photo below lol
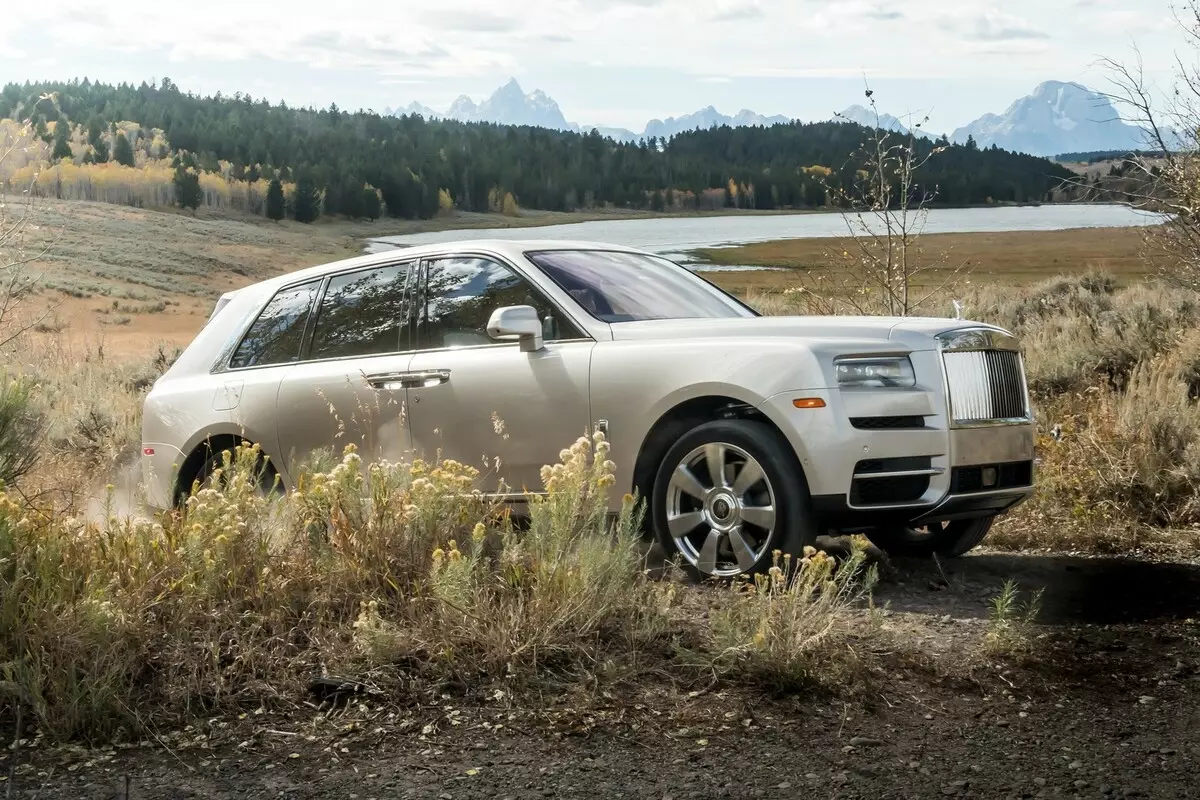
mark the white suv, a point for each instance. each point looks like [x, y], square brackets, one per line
[746, 433]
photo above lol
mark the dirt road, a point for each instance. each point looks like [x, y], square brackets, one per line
[1108, 706]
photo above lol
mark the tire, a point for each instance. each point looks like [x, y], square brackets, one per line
[705, 521]
[266, 478]
[946, 539]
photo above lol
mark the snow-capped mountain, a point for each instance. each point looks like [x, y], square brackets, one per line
[508, 105]
[1057, 118]
[707, 118]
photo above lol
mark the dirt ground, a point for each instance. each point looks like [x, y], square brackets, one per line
[1105, 706]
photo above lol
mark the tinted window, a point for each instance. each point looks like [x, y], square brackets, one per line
[277, 334]
[462, 293]
[362, 313]
[624, 287]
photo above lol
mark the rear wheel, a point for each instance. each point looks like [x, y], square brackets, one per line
[727, 494]
[214, 475]
[946, 539]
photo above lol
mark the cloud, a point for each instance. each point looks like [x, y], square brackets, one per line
[884, 14]
[993, 26]
[470, 20]
[735, 10]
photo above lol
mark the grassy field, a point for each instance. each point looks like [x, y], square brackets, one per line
[1018, 258]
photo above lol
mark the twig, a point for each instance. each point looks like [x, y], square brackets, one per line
[941, 571]
[16, 748]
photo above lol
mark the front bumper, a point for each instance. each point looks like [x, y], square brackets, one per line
[861, 478]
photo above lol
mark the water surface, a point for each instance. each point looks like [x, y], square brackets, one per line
[674, 237]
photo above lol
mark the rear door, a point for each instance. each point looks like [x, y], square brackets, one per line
[349, 387]
[487, 403]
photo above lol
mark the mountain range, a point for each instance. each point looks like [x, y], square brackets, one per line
[510, 105]
[1057, 117]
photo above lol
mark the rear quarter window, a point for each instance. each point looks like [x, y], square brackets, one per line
[278, 333]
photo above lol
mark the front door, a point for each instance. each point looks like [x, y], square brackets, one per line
[349, 387]
[487, 403]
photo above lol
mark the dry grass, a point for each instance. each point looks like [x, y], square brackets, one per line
[397, 574]
[1009, 259]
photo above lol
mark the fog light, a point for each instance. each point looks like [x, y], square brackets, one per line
[989, 477]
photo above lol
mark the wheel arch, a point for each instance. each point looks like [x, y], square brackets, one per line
[688, 414]
[200, 449]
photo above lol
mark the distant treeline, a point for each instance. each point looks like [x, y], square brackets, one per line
[362, 164]
[1093, 156]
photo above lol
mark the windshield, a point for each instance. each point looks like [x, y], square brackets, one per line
[627, 287]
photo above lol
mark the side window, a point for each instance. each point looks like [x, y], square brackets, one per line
[278, 333]
[363, 313]
[460, 295]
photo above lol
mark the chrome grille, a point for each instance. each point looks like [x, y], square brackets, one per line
[986, 385]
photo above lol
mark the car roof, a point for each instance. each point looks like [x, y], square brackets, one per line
[513, 249]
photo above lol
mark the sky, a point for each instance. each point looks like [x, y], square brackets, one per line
[606, 62]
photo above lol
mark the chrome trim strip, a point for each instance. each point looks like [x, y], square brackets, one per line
[906, 473]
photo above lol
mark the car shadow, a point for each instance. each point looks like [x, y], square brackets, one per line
[1080, 590]
[1074, 589]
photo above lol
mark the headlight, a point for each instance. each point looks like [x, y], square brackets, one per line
[887, 371]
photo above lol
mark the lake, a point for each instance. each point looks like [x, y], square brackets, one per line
[674, 237]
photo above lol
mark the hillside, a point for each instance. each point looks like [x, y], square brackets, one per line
[361, 164]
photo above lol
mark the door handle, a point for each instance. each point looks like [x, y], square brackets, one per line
[426, 378]
[408, 380]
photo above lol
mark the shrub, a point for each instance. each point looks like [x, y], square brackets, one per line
[22, 425]
[247, 595]
[793, 627]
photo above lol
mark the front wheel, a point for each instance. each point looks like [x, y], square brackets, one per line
[727, 495]
[946, 539]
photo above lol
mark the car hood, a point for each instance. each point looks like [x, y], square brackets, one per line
[915, 333]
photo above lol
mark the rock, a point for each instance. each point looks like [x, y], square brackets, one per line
[955, 788]
[1145, 699]
[784, 785]
[1040, 781]
[1075, 765]
[865, 741]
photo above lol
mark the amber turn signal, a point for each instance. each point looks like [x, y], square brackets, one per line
[808, 402]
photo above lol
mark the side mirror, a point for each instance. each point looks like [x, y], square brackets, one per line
[517, 323]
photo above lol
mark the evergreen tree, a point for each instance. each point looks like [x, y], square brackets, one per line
[188, 193]
[62, 142]
[123, 151]
[275, 205]
[371, 206]
[100, 152]
[95, 129]
[307, 201]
